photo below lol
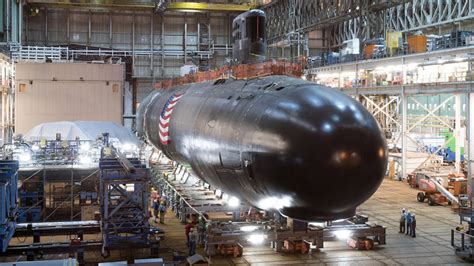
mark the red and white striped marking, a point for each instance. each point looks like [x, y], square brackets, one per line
[165, 117]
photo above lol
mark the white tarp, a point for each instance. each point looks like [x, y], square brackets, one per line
[85, 130]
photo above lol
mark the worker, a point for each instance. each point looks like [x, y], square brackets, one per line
[162, 211]
[156, 209]
[165, 199]
[413, 225]
[192, 242]
[402, 221]
[201, 227]
[187, 229]
[154, 195]
[408, 219]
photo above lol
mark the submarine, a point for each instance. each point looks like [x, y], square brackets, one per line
[277, 142]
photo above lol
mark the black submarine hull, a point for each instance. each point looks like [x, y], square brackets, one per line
[277, 142]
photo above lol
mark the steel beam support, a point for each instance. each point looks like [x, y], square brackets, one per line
[45, 26]
[133, 44]
[421, 14]
[68, 27]
[111, 33]
[457, 132]
[185, 41]
[4, 115]
[152, 43]
[162, 45]
[89, 28]
[124, 212]
[20, 22]
[405, 17]
[404, 102]
[8, 201]
[284, 17]
[362, 19]
[470, 148]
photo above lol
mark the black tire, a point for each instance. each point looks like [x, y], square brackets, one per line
[431, 201]
[420, 197]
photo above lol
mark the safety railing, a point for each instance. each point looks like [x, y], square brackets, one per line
[343, 81]
[243, 71]
[461, 241]
[39, 53]
[380, 50]
[57, 53]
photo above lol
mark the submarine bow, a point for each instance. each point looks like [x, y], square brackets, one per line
[277, 142]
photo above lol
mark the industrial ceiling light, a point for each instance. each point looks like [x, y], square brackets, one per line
[233, 202]
[85, 160]
[85, 147]
[24, 157]
[35, 147]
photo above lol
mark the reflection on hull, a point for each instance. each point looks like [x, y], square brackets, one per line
[277, 142]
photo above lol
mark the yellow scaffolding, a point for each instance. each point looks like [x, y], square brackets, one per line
[120, 4]
[195, 6]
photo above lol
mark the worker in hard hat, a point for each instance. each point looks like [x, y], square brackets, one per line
[402, 221]
[408, 219]
[413, 225]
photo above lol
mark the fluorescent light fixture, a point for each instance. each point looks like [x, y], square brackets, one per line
[412, 66]
[233, 202]
[85, 147]
[24, 157]
[85, 160]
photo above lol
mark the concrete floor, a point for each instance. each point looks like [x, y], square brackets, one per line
[431, 246]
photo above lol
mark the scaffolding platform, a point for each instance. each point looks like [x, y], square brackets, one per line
[8, 201]
[188, 194]
[124, 197]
